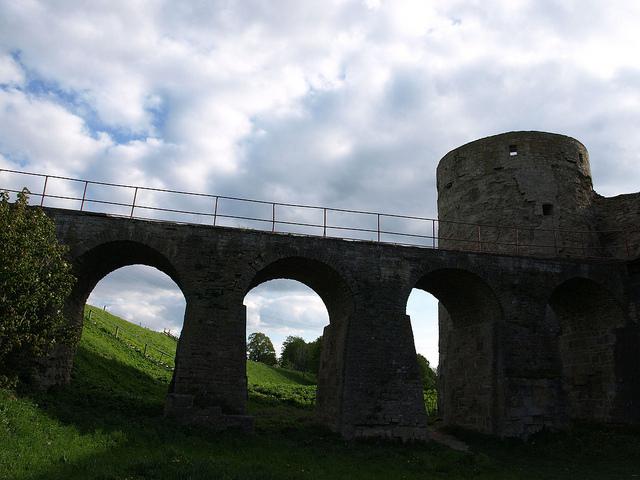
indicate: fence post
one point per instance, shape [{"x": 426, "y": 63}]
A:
[
  {"x": 133, "y": 205},
  {"x": 117, "y": 331},
  {"x": 44, "y": 189},
  {"x": 378, "y": 227},
  {"x": 324, "y": 222},
  {"x": 273, "y": 217},
  {"x": 90, "y": 313},
  {"x": 215, "y": 212},
  {"x": 145, "y": 350},
  {"x": 84, "y": 194}
]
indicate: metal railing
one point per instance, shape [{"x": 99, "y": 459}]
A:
[{"x": 220, "y": 210}]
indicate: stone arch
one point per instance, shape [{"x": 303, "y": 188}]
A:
[
  {"x": 336, "y": 293},
  {"x": 93, "y": 265},
  {"x": 590, "y": 322},
  {"x": 89, "y": 267},
  {"x": 96, "y": 263},
  {"x": 469, "y": 313}
]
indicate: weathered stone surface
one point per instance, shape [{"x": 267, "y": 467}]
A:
[
  {"x": 539, "y": 182},
  {"x": 501, "y": 368},
  {"x": 574, "y": 353}
]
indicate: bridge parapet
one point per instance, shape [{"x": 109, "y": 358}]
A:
[{"x": 465, "y": 231}]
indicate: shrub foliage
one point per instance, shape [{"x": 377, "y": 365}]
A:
[{"x": 35, "y": 280}]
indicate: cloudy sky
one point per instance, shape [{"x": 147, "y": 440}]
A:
[{"x": 336, "y": 102}]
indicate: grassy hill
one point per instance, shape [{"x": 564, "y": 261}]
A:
[{"x": 108, "y": 425}]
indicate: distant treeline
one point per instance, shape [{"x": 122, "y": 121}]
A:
[{"x": 297, "y": 354}]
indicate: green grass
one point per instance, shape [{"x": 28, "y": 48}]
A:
[
  {"x": 259, "y": 373},
  {"x": 108, "y": 425},
  {"x": 134, "y": 336}
]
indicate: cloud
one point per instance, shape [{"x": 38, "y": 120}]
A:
[
  {"x": 10, "y": 72},
  {"x": 281, "y": 308},
  {"x": 142, "y": 295},
  {"x": 344, "y": 103}
]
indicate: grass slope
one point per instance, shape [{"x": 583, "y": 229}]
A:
[
  {"x": 107, "y": 425},
  {"x": 134, "y": 335},
  {"x": 259, "y": 373}
]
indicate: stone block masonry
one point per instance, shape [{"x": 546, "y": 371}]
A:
[{"x": 509, "y": 321}]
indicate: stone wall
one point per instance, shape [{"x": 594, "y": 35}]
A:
[
  {"x": 572, "y": 353},
  {"x": 501, "y": 360},
  {"x": 618, "y": 218}
]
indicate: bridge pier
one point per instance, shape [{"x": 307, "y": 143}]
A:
[{"x": 209, "y": 384}]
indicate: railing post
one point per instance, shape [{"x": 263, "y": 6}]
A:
[
  {"x": 433, "y": 232},
  {"x": 324, "y": 222},
  {"x": 273, "y": 218},
  {"x": 44, "y": 189},
  {"x": 378, "y": 227},
  {"x": 215, "y": 212},
  {"x": 133, "y": 205},
  {"x": 84, "y": 194}
]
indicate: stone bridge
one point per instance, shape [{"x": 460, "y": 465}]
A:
[{"x": 525, "y": 343}]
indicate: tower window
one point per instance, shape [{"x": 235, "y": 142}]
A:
[
  {"x": 513, "y": 150},
  {"x": 547, "y": 209}
]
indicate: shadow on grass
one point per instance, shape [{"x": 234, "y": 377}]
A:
[
  {"x": 126, "y": 404},
  {"x": 301, "y": 378},
  {"x": 104, "y": 393}
]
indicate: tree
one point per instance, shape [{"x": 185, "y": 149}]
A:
[
  {"x": 427, "y": 373},
  {"x": 294, "y": 353},
  {"x": 300, "y": 355},
  {"x": 314, "y": 351},
  {"x": 260, "y": 349},
  {"x": 35, "y": 281}
]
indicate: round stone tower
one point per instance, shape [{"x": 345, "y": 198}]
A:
[{"x": 530, "y": 192}]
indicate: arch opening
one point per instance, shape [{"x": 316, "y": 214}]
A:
[
  {"x": 283, "y": 310},
  {"x": 422, "y": 309},
  {"x": 330, "y": 291},
  {"x": 589, "y": 321},
  {"x": 122, "y": 276},
  {"x": 468, "y": 314}
]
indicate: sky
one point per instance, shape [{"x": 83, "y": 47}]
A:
[{"x": 340, "y": 103}]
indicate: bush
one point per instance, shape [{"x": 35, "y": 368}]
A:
[{"x": 35, "y": 281}]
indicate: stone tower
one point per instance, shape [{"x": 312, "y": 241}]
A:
[{"x": 531, "y": 192}]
